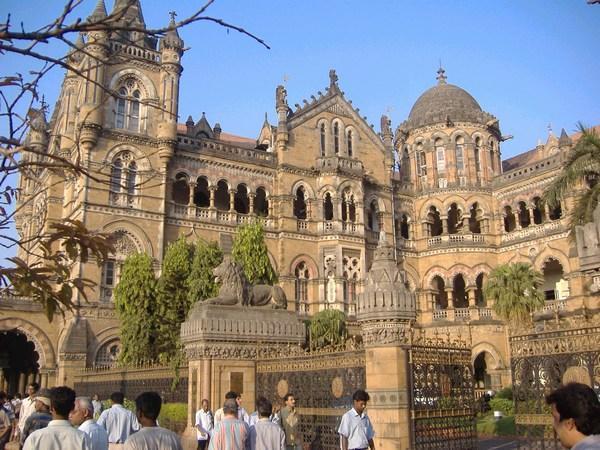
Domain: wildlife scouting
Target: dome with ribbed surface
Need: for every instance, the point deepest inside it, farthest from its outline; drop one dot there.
(443, 103)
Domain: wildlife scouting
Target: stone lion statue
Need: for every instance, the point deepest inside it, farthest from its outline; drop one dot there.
(236, 290)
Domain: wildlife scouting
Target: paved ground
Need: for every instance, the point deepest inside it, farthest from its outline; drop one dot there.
(497, 444)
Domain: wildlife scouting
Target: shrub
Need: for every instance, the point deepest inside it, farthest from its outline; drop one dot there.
(504, 405)
(173, 416)
(506, 393)
(488, 426)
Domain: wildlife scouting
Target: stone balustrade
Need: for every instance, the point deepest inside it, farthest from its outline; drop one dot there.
(554, 305)
(214, 215)
(534, 231)
(463, 314)
(338, 162)
(220, 149)
(447, 240)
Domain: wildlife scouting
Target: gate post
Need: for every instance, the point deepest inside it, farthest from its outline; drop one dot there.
(385, 312)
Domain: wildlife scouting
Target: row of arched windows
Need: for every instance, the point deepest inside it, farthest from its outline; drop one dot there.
(457, 221)
(123, 179)
(525, 215)
(220, 196)
(340, 142)
(457, 296)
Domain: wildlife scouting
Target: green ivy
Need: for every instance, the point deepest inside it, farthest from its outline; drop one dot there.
(136, 309)
(201, 281)
(326, 328)
(250, 250)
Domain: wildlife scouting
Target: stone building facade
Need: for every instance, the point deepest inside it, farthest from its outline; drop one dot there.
(324, 183)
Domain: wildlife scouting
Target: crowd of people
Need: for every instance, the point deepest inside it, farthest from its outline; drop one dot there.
(56, 419)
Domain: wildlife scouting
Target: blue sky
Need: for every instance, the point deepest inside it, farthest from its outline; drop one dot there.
(530, 63)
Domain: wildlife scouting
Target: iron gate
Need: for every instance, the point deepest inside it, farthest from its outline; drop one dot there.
(541, 362)
(443, 397)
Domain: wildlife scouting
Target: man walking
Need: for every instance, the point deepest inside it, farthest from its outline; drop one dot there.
(204, 425)
(230, 433)
(41, 417)
(83, 417)
(118, 422)
(59, 434)
(356, 431)
(151, 436)
(290, 421)
(265, 435)
(242, 414)
(28, 405)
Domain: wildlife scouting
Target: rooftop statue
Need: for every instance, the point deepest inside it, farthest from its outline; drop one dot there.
(236, 289)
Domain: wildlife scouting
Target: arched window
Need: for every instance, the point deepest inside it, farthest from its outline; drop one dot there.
(440, 155)
(524, 218)
(459, 292)
(240, 201)
(555, 213)
(123, 180)
(421, 160)
(322, 133)
(261, 204)
(538, 211)
(349, 143)
(336, 138)
(301, 276)
(404, 227)
(439, 293)
(300, 204)
(555, 286)
(128, 111)
(474, 223)
(405, 167)
(509, 219)
(327, 207)
(454, 219)
(351, 271)
(479, 300)
(111, 269)
(492, 156)
(460, 158)
(181, 189)
(434, 222)
(348, 207)
(478, 154)
(108, 354)
(372, 216)
(201, 193)
(222, 196)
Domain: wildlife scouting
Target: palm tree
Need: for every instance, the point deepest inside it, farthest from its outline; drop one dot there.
(514, 289)
(582, 164)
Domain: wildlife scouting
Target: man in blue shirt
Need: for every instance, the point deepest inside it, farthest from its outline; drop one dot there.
(356, 431)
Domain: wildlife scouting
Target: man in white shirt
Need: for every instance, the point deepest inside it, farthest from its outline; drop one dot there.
(118, 422)
(204, 425)
(356, 431)
(82, 417)
(28, 405)
(59, 434)
(151, 436)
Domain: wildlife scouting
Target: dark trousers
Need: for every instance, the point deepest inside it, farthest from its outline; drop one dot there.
(203, 445)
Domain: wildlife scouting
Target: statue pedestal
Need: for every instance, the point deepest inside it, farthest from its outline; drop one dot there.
(222, 344)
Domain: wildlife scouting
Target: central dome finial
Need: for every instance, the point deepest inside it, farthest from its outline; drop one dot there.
(441, 75)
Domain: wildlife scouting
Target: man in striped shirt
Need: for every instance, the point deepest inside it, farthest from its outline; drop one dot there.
(230, 433)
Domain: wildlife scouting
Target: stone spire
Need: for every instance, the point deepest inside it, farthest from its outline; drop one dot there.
(99, 12)
(172, 39)
(441, 76)
(564, 140)
(130, 12)
(385, 295)
(333, 82)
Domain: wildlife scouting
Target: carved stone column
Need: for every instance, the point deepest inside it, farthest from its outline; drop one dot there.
(232, 200)
(386, 327)
(192, 187)
(251, 197)
(211, 192)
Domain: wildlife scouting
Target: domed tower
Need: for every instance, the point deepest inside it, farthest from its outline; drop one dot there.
(448, 140)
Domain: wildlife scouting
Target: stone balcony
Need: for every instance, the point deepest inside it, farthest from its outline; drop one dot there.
(335, 163)
(463, 314)
(213, 215)
(534, 231)
(448, 240)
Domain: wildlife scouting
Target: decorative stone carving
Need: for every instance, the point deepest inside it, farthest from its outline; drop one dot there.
(382, 333)
(236, 290)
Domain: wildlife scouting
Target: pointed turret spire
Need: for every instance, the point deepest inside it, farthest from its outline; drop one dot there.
(441, 75)
(172, 39)
(333, 82)
(129, 11)
(564, 139)
(99, 12)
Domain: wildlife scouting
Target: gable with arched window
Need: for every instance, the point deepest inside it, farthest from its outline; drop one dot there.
(123, 180)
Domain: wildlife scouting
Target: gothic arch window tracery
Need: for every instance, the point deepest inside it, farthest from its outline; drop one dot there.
(301, 279)
(123, 180)
(351, 274)
(349, 143)
(108, 354)
(459, 149)
(124, 245)
(129, 108)
(336, 138)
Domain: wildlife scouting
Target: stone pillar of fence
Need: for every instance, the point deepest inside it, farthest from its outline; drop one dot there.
(385, 312)
(222, 344)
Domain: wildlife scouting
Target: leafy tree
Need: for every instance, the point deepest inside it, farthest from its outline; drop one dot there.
(172, 301)
(136, 308)
(201, 282)
(514, 288)
(582, 165)
(326, 328)
(250, 250)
